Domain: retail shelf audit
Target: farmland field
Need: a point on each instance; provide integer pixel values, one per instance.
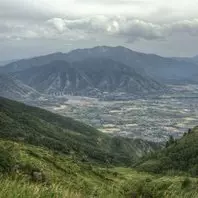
(154, 118)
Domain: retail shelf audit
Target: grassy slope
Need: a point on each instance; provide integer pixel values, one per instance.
(180, 156)
(60, 171)
(42, 128)
(66, 177)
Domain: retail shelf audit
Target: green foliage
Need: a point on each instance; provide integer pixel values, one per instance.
(6, 160)
(178, 156)
(46, 155)
(20, 188)
(65, 177)
(38, 127)
(35, 167)
(186, 183)
(152, 166)
(170, 141)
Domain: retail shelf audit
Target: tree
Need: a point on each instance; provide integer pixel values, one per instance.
(170, 141)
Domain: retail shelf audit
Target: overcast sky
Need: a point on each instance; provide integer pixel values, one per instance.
(34, 27)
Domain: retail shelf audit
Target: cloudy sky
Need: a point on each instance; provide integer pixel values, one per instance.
(33, 27)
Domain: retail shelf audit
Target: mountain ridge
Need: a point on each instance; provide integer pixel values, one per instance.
(90, 77)
(162, 69)
(14, 89)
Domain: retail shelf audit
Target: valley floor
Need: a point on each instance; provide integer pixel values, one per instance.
(153, 119)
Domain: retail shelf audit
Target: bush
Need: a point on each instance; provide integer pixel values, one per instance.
(144, 193)
(194, 171)
(6, 160)
(150, 166)
(186, 183)
(36, 175)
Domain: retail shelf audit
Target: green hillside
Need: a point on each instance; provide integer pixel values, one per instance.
(36, 126)
(45, 155)
(179, 156)
(36, 167)
(27, 171)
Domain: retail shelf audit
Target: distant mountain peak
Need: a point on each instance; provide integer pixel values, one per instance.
(89, 77)
(164, 70)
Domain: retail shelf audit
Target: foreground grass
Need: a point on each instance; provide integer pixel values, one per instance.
(145, 185)
(66, 177)
(133, 185)
(21, 189)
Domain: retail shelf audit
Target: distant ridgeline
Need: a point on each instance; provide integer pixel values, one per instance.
(90, 77)
(14, 89)
(161, 69)
(95, 71)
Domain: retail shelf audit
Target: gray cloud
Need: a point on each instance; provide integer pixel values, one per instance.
(124, 27)
(113, 2)
(128, 21)
(23, 10)
(83, 28)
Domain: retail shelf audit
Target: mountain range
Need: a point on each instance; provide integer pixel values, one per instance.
(6, 62)
(102, 69)
(166, 70)
(89, 77)
(193, 59)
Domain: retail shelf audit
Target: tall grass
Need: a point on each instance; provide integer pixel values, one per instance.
(138, 186)
(17, 188)
(66, 178)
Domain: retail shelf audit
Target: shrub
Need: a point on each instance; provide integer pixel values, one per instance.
(194, 171)
(35, 173)
(6, 160)
(144, 193)
(186, 183)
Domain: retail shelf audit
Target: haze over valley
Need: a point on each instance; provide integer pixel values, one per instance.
(115, 89)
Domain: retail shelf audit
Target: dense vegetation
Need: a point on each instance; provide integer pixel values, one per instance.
(35, 126)
(178, 156)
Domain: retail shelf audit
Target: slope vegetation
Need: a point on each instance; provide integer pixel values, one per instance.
(42, 128)
(35, 172)
(179, 156)
(46, 155)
